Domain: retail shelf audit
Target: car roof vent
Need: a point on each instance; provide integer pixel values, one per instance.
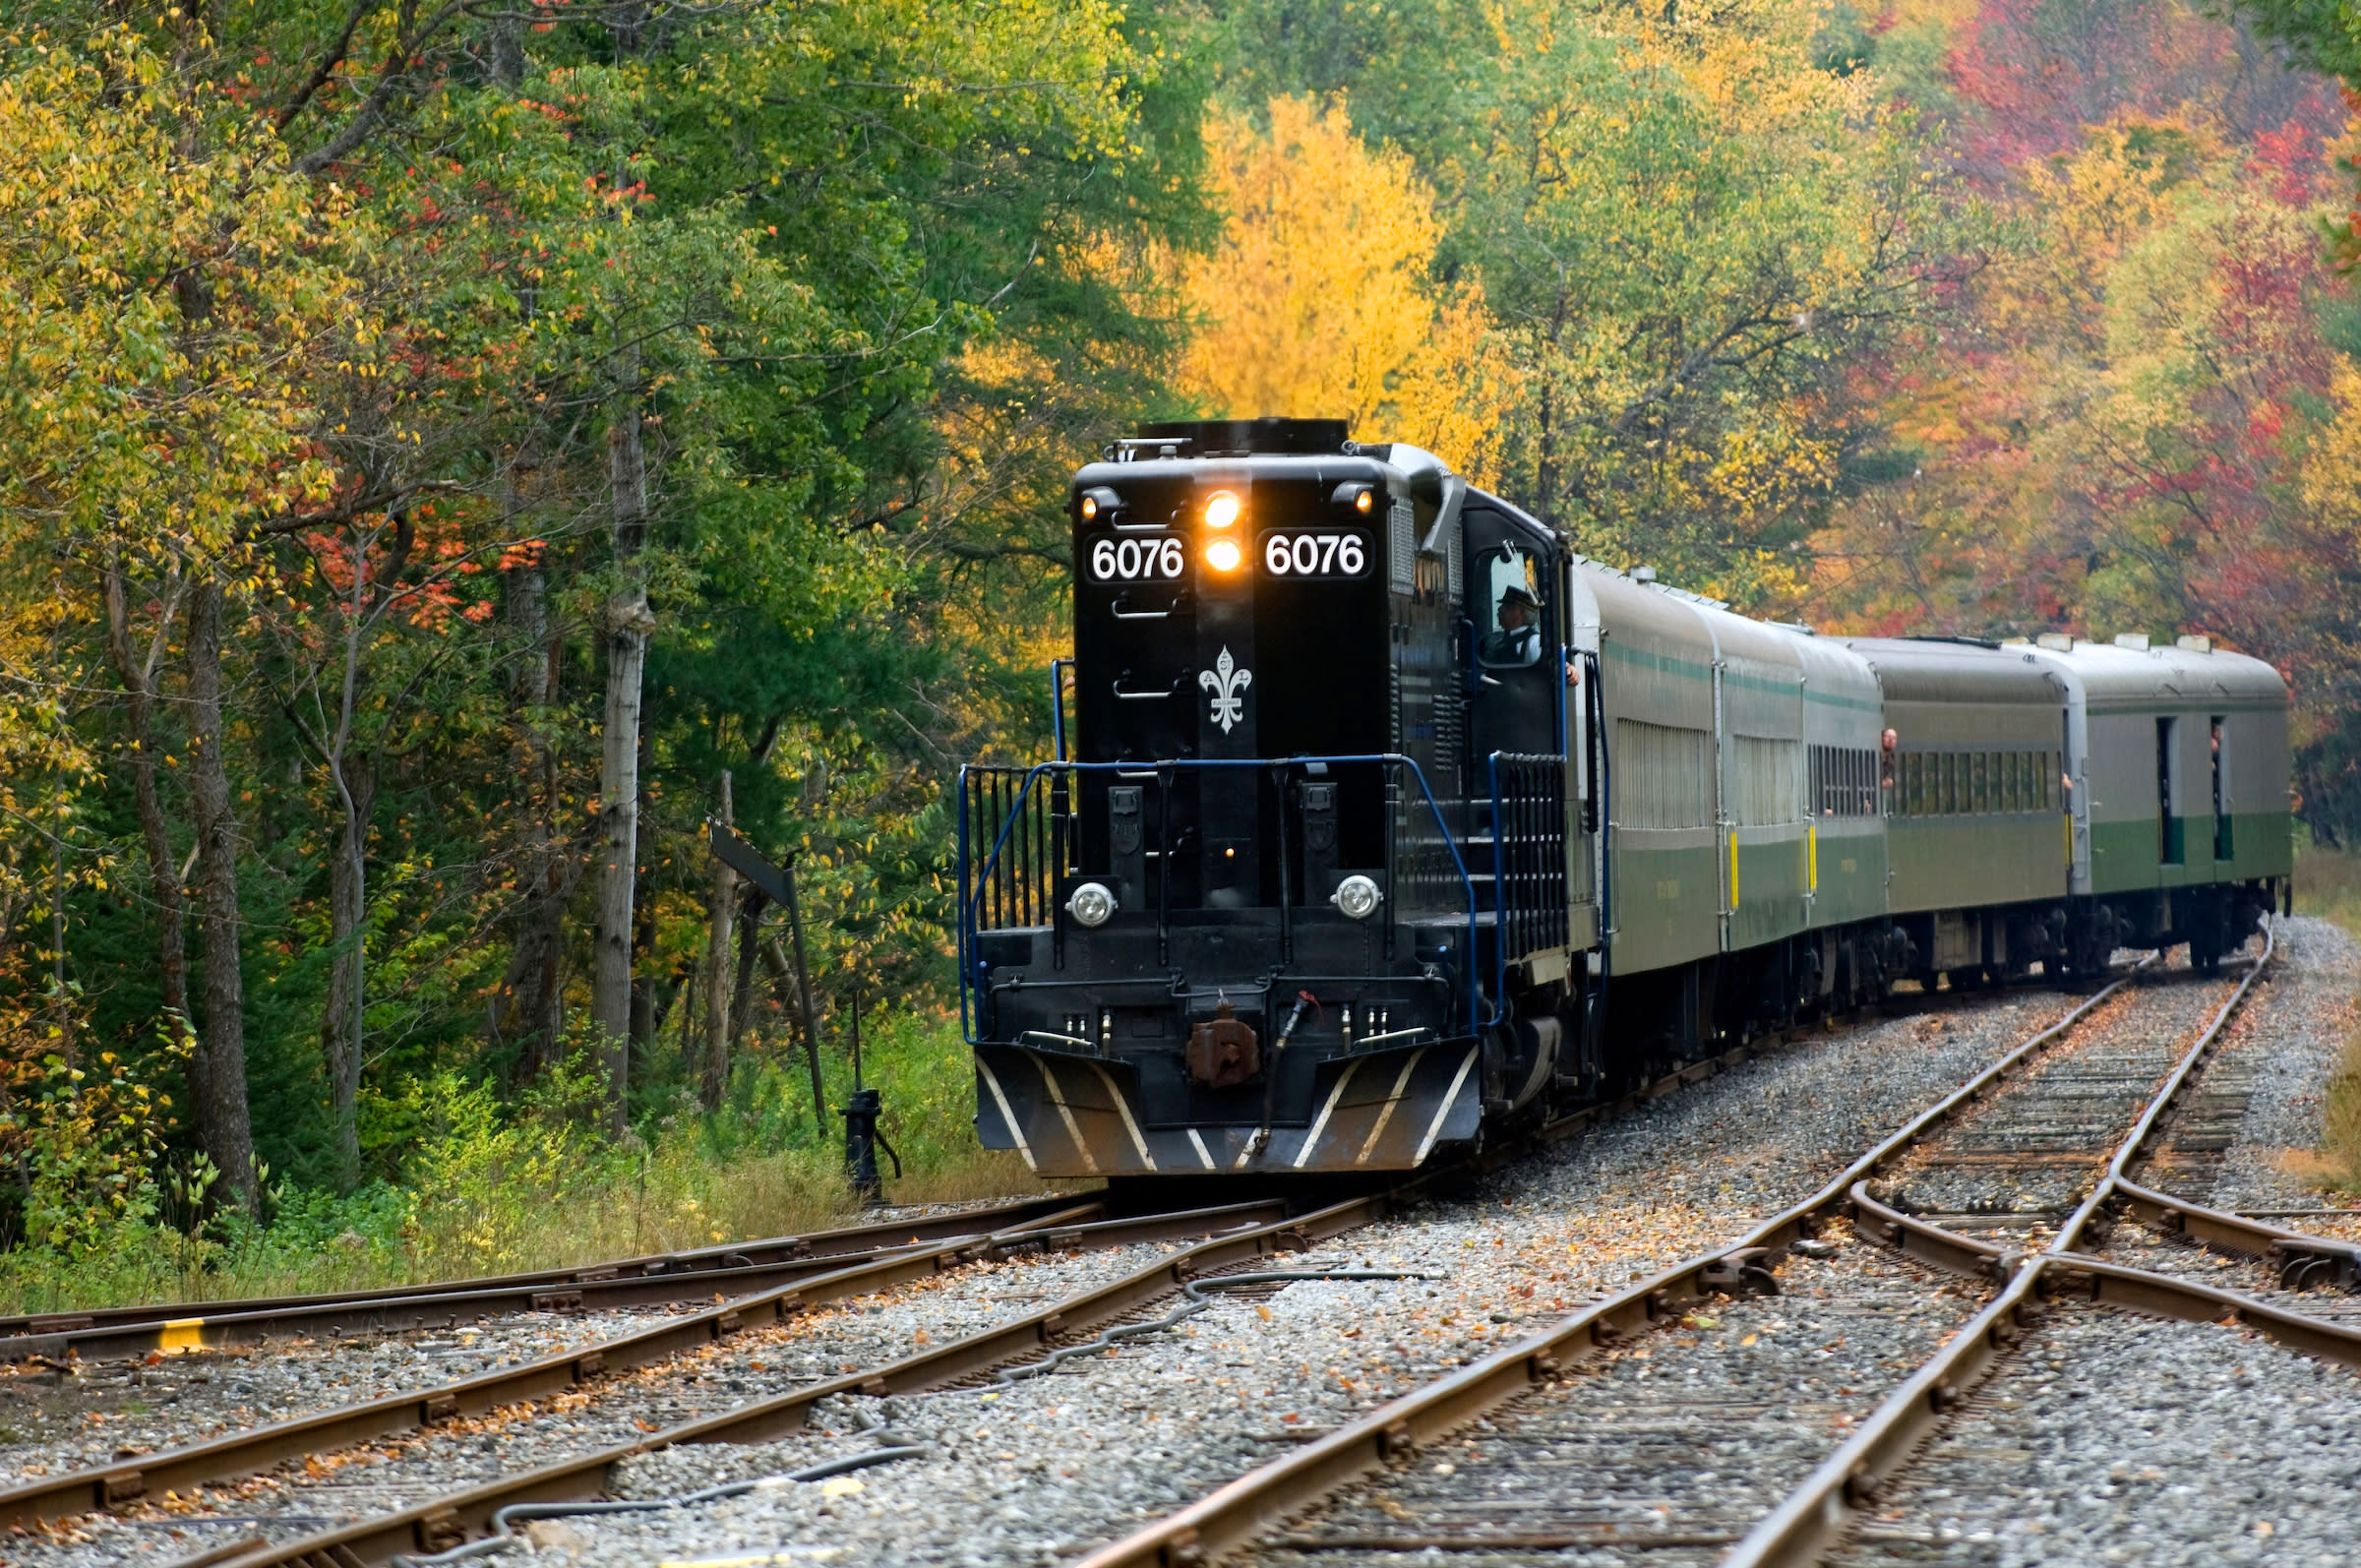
(2137, 642)
(2194, 645)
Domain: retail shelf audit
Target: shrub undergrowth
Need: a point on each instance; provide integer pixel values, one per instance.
(486, 1184)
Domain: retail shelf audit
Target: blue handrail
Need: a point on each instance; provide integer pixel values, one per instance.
(1500, 899)
(1057, 668)
(969, 975)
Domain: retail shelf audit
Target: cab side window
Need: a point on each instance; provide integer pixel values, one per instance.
(1512, 632)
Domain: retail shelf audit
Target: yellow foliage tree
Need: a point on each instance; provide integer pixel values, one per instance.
(1319, 301)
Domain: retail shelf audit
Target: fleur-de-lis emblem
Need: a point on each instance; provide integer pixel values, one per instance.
(1226, 681)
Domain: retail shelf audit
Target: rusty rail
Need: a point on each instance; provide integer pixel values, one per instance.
(1227, 1518)
(443, 1523)
(1817, 1515)
(661, 1277)
(245, 1453)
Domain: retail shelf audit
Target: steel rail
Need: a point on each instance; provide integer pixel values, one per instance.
(58, 1333)
(1818, 1514)
(447, 1306)
(442, 1523)
(1230, 1516)
(447, 1519)
(437, 1524)
(240, 1454)
(2304, 1259)
(103, 1487)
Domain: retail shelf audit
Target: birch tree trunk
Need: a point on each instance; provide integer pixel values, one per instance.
(219, 1071)
(628, 624)
(164, 875)
(348, 911)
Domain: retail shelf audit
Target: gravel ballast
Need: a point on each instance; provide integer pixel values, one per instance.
(56, 1417)
(2292, 1044)
(2115, 1440)
(395, 1474)
(1035, 1473)
(1667, 1453)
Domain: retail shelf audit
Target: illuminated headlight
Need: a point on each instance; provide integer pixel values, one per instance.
(1221, 509)
(1357, 897)
(1223, 554)
(1092, 903)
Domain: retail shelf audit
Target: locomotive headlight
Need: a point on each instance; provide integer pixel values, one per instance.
(1223, 554)
(1357, 897)
(1091, 904)
(1220, 510)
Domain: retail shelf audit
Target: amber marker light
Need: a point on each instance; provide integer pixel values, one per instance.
(1365, 501)
(1090, 508)
(1220, 511)
(1223, 554)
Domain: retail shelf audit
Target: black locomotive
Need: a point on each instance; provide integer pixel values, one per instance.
(1387, 819)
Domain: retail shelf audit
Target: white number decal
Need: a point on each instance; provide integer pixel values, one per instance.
(1136, 560)
(1314, 554)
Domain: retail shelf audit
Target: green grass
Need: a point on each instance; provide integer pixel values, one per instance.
(491, 1188)
(2328, 883)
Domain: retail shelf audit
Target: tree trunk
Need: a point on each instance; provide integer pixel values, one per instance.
(650, 1004)
(528, 1004)
(347, 914)
(224, 1129)
(163, 880)
(720, 986)
(751, 904)
(628, 624)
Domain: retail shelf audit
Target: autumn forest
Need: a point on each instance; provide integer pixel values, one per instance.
(451, 450)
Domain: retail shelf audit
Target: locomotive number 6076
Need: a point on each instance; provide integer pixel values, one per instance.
(1315, 555)
(1136, 560)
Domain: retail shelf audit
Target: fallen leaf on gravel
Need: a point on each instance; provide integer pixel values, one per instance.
(841, 1486)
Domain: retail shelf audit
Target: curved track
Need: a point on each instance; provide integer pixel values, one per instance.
(1674, 1470)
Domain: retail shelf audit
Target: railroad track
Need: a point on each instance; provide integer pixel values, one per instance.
(1669, 1473)
(244, 1453)
(437, 1523)
(653, 1279)
(185, 1472)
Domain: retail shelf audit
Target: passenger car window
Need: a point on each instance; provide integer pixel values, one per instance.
(1512, 632)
